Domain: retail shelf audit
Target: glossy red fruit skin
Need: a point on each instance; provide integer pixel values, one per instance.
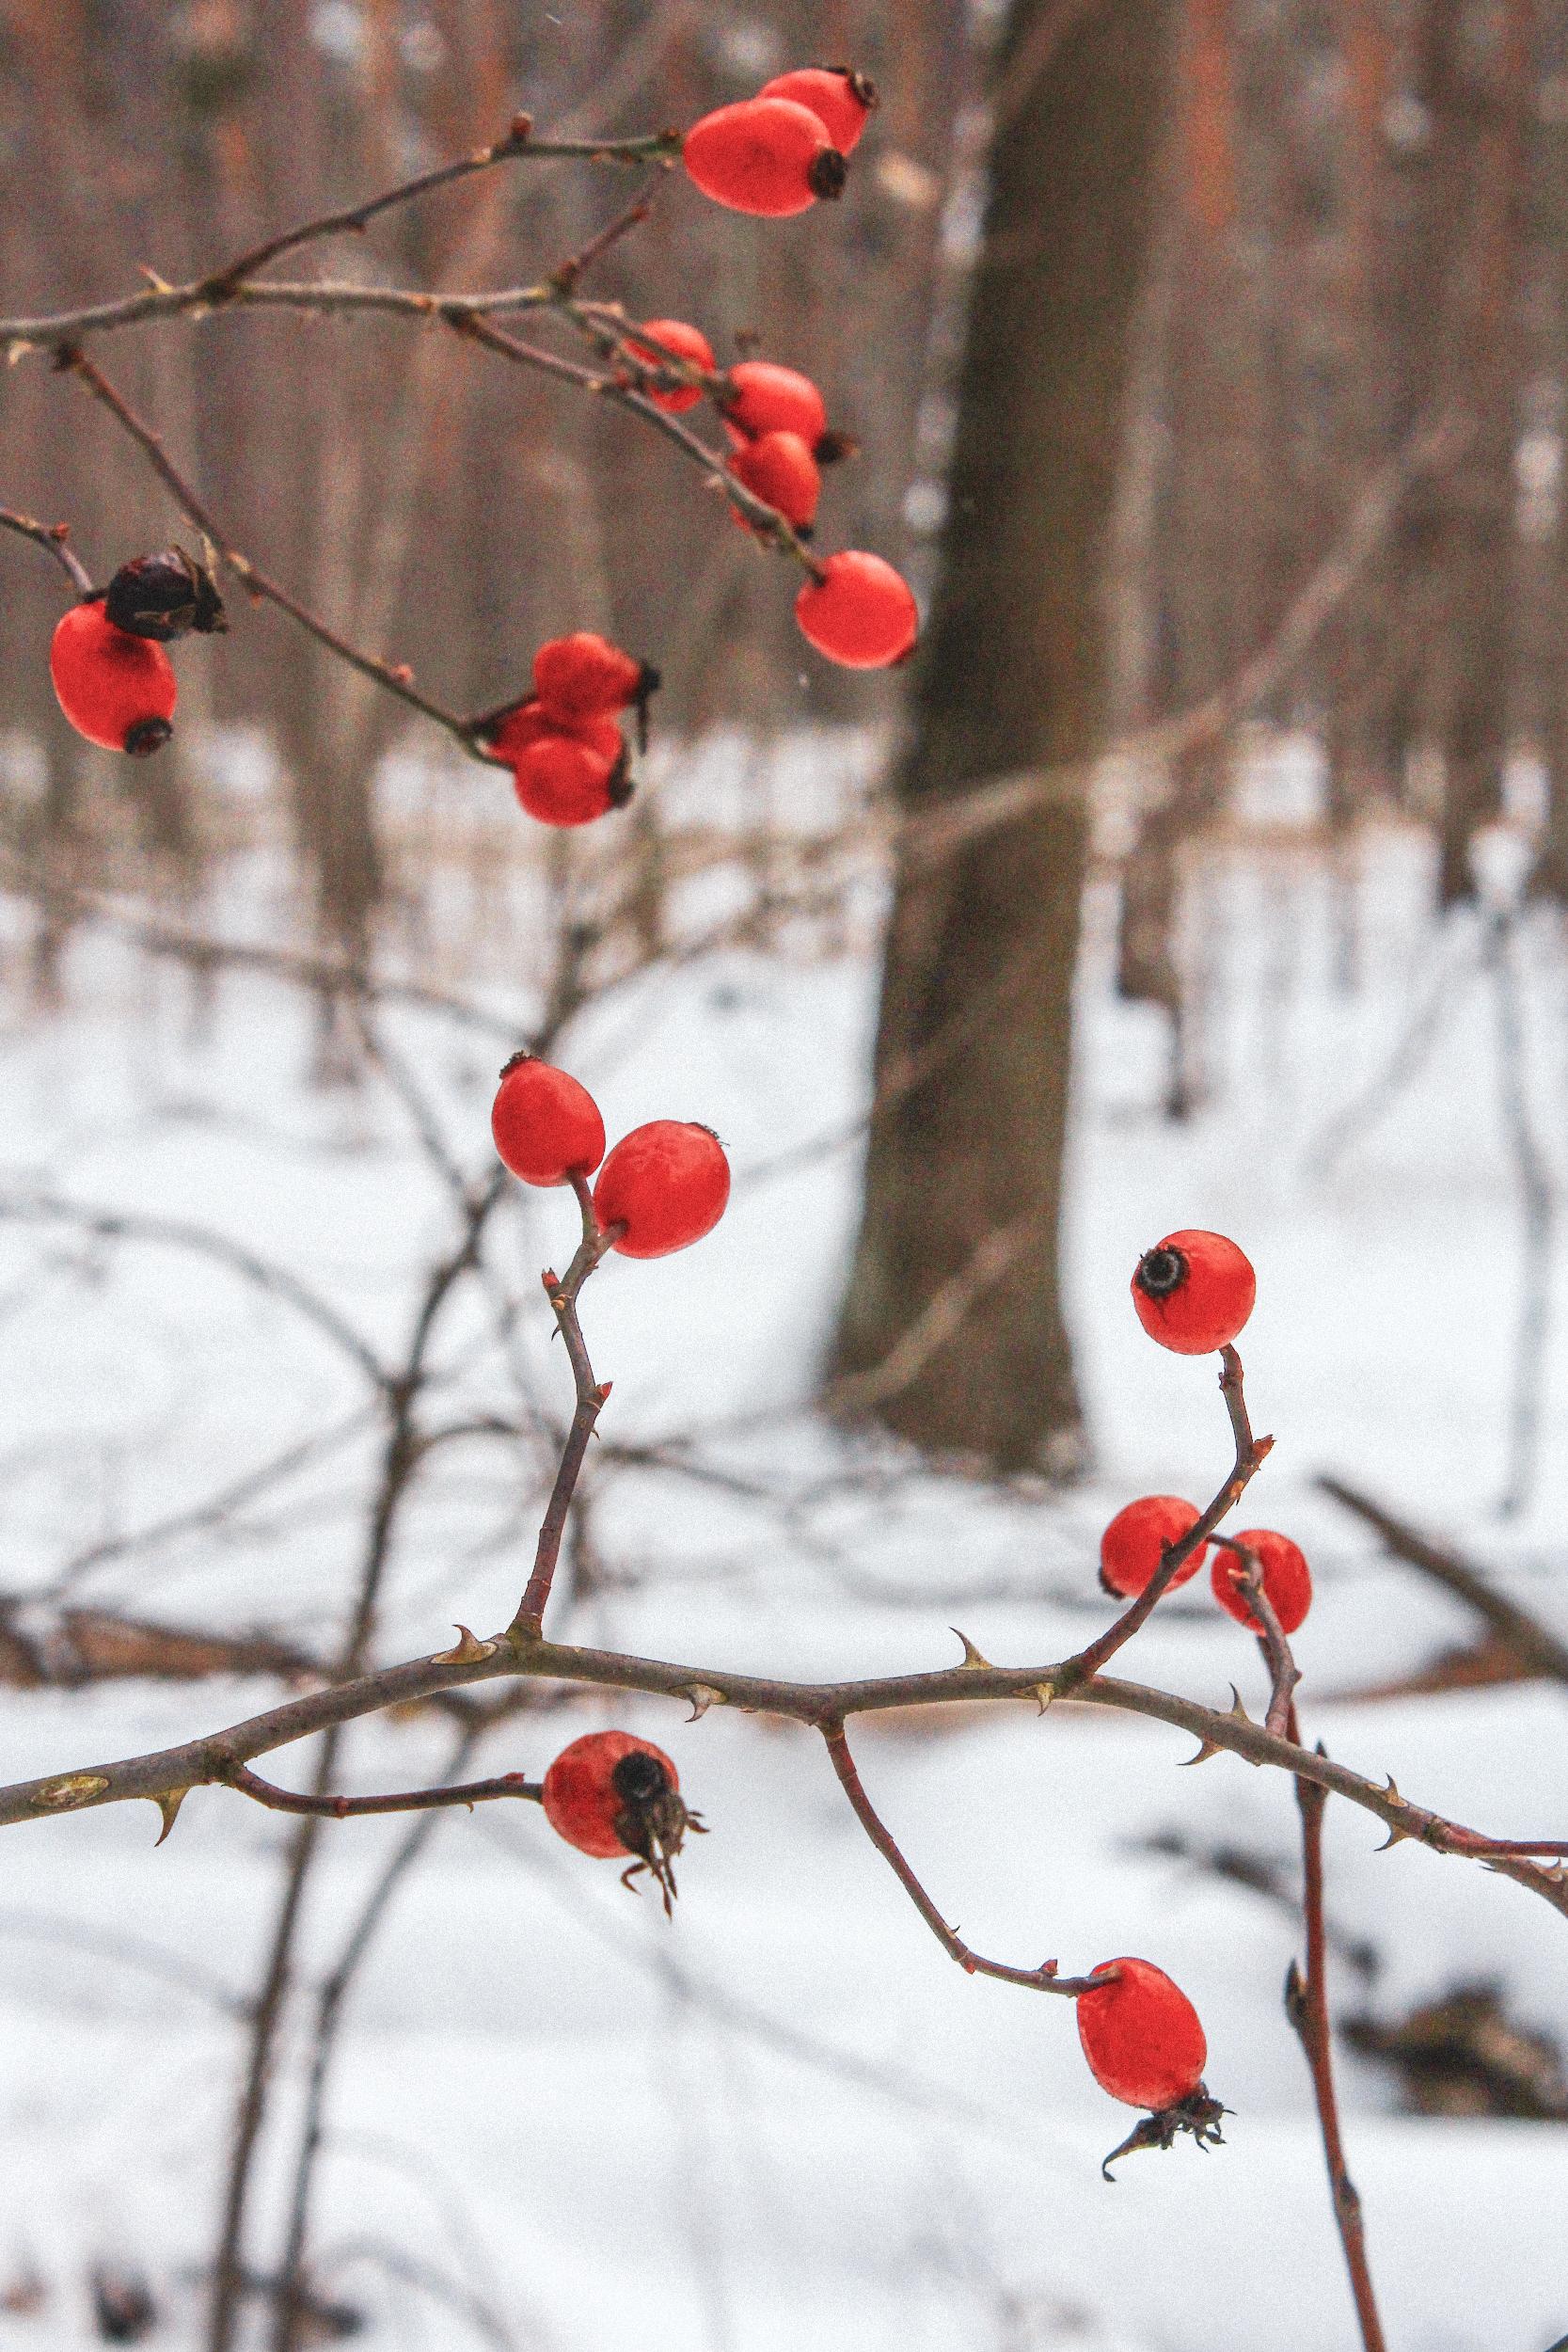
(862, 615)
(584, 676)
(764, 397)
(1142, 2036)
(546, 1126)
(841, 99)
(768, 156)
(110, 684)
(563, 776)
(1131, 1546)
(666, 1183)
(581, 1802)
(1193, 1292)
(1286, 1578)
(662, 339)
(779, 468)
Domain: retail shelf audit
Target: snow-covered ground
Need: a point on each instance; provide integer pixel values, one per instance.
(786, 2119)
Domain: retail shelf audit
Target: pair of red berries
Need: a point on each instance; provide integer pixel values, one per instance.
(665, 1185)
(112, 677)
(775, 417)
(777, 154)
(611, 1794)
(564, 748)
(1141, 1533)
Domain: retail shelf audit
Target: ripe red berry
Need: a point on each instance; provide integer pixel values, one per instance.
(666, 1183)
(117, 690)
(545, 1126)
(840, 98)
(766, 155)
(1193, 1292)
(1142, 2036)
(610, 1793)
(584, 676)
(860, 614)
(779, 468)
(563, 776)
(664, 339)
(1287, 1577)
(1133, 1545)
(762, 397)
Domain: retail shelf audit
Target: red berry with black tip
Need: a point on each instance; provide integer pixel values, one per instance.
(780, 470)
(840, 98)
(1138, 1538)
(672, 339)
(1287, 1577)
(769, 157)
(116, 688)
(563, 776)
(585, 676)
(611, 1794)
(762, 397)
(1193, 1292)
(546, 1126)
(860, 614)
(1142, 2036)
(666, 1183)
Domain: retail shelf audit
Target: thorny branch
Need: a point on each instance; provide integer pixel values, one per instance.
(51, 538)
(591, 1396)
(470, 1793)
(1284, 1673)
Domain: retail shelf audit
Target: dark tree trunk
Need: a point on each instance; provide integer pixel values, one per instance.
(952, 1330)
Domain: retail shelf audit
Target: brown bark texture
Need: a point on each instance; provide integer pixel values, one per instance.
(973, 1044)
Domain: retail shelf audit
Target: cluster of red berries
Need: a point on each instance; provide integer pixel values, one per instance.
(662, 1187)
(780, 152)
(1193, 1292)
(112, 677)
(563, 745)
(610, 1794)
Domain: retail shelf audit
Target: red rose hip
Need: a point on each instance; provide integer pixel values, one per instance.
(665, 339)
(762, 397)
(545, 1126)
(1136, 1539)
(562, 774)
(666, 1183)
(842, 100)
(610, 1793)
(766, 155)
(1193, 1292)
(1287, 1577)
(780, 470)
(860, 614)
(116, 688)
(1142, 2036)
(585, 676)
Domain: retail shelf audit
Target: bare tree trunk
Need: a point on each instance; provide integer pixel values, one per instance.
(957, 1266)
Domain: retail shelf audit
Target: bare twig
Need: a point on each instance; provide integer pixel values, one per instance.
(51, 537)
(1284, 1674)
(1306, 2006)
(1041, 1980)
(591, 1396)
(470, 1793)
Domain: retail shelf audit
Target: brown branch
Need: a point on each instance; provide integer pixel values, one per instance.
(1041, 1980)
(406, 1801)
(590, 1394)
(1284, 1674)
(393, 677)
(1250, 1453)
(1531, 1642)
(51, 537)
(519, 141)
(1306, 2006)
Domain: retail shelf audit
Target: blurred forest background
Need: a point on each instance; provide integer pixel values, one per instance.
(1209, 363)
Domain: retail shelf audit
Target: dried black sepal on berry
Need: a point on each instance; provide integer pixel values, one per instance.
(1161, 1272)
(147, 736)
(1197, 2113)
(861, 88)
(653, 1821)
(649, 680)
(163, 596)
(621, 785)
(827, 173)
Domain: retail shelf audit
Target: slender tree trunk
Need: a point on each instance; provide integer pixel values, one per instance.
(953, 1322)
